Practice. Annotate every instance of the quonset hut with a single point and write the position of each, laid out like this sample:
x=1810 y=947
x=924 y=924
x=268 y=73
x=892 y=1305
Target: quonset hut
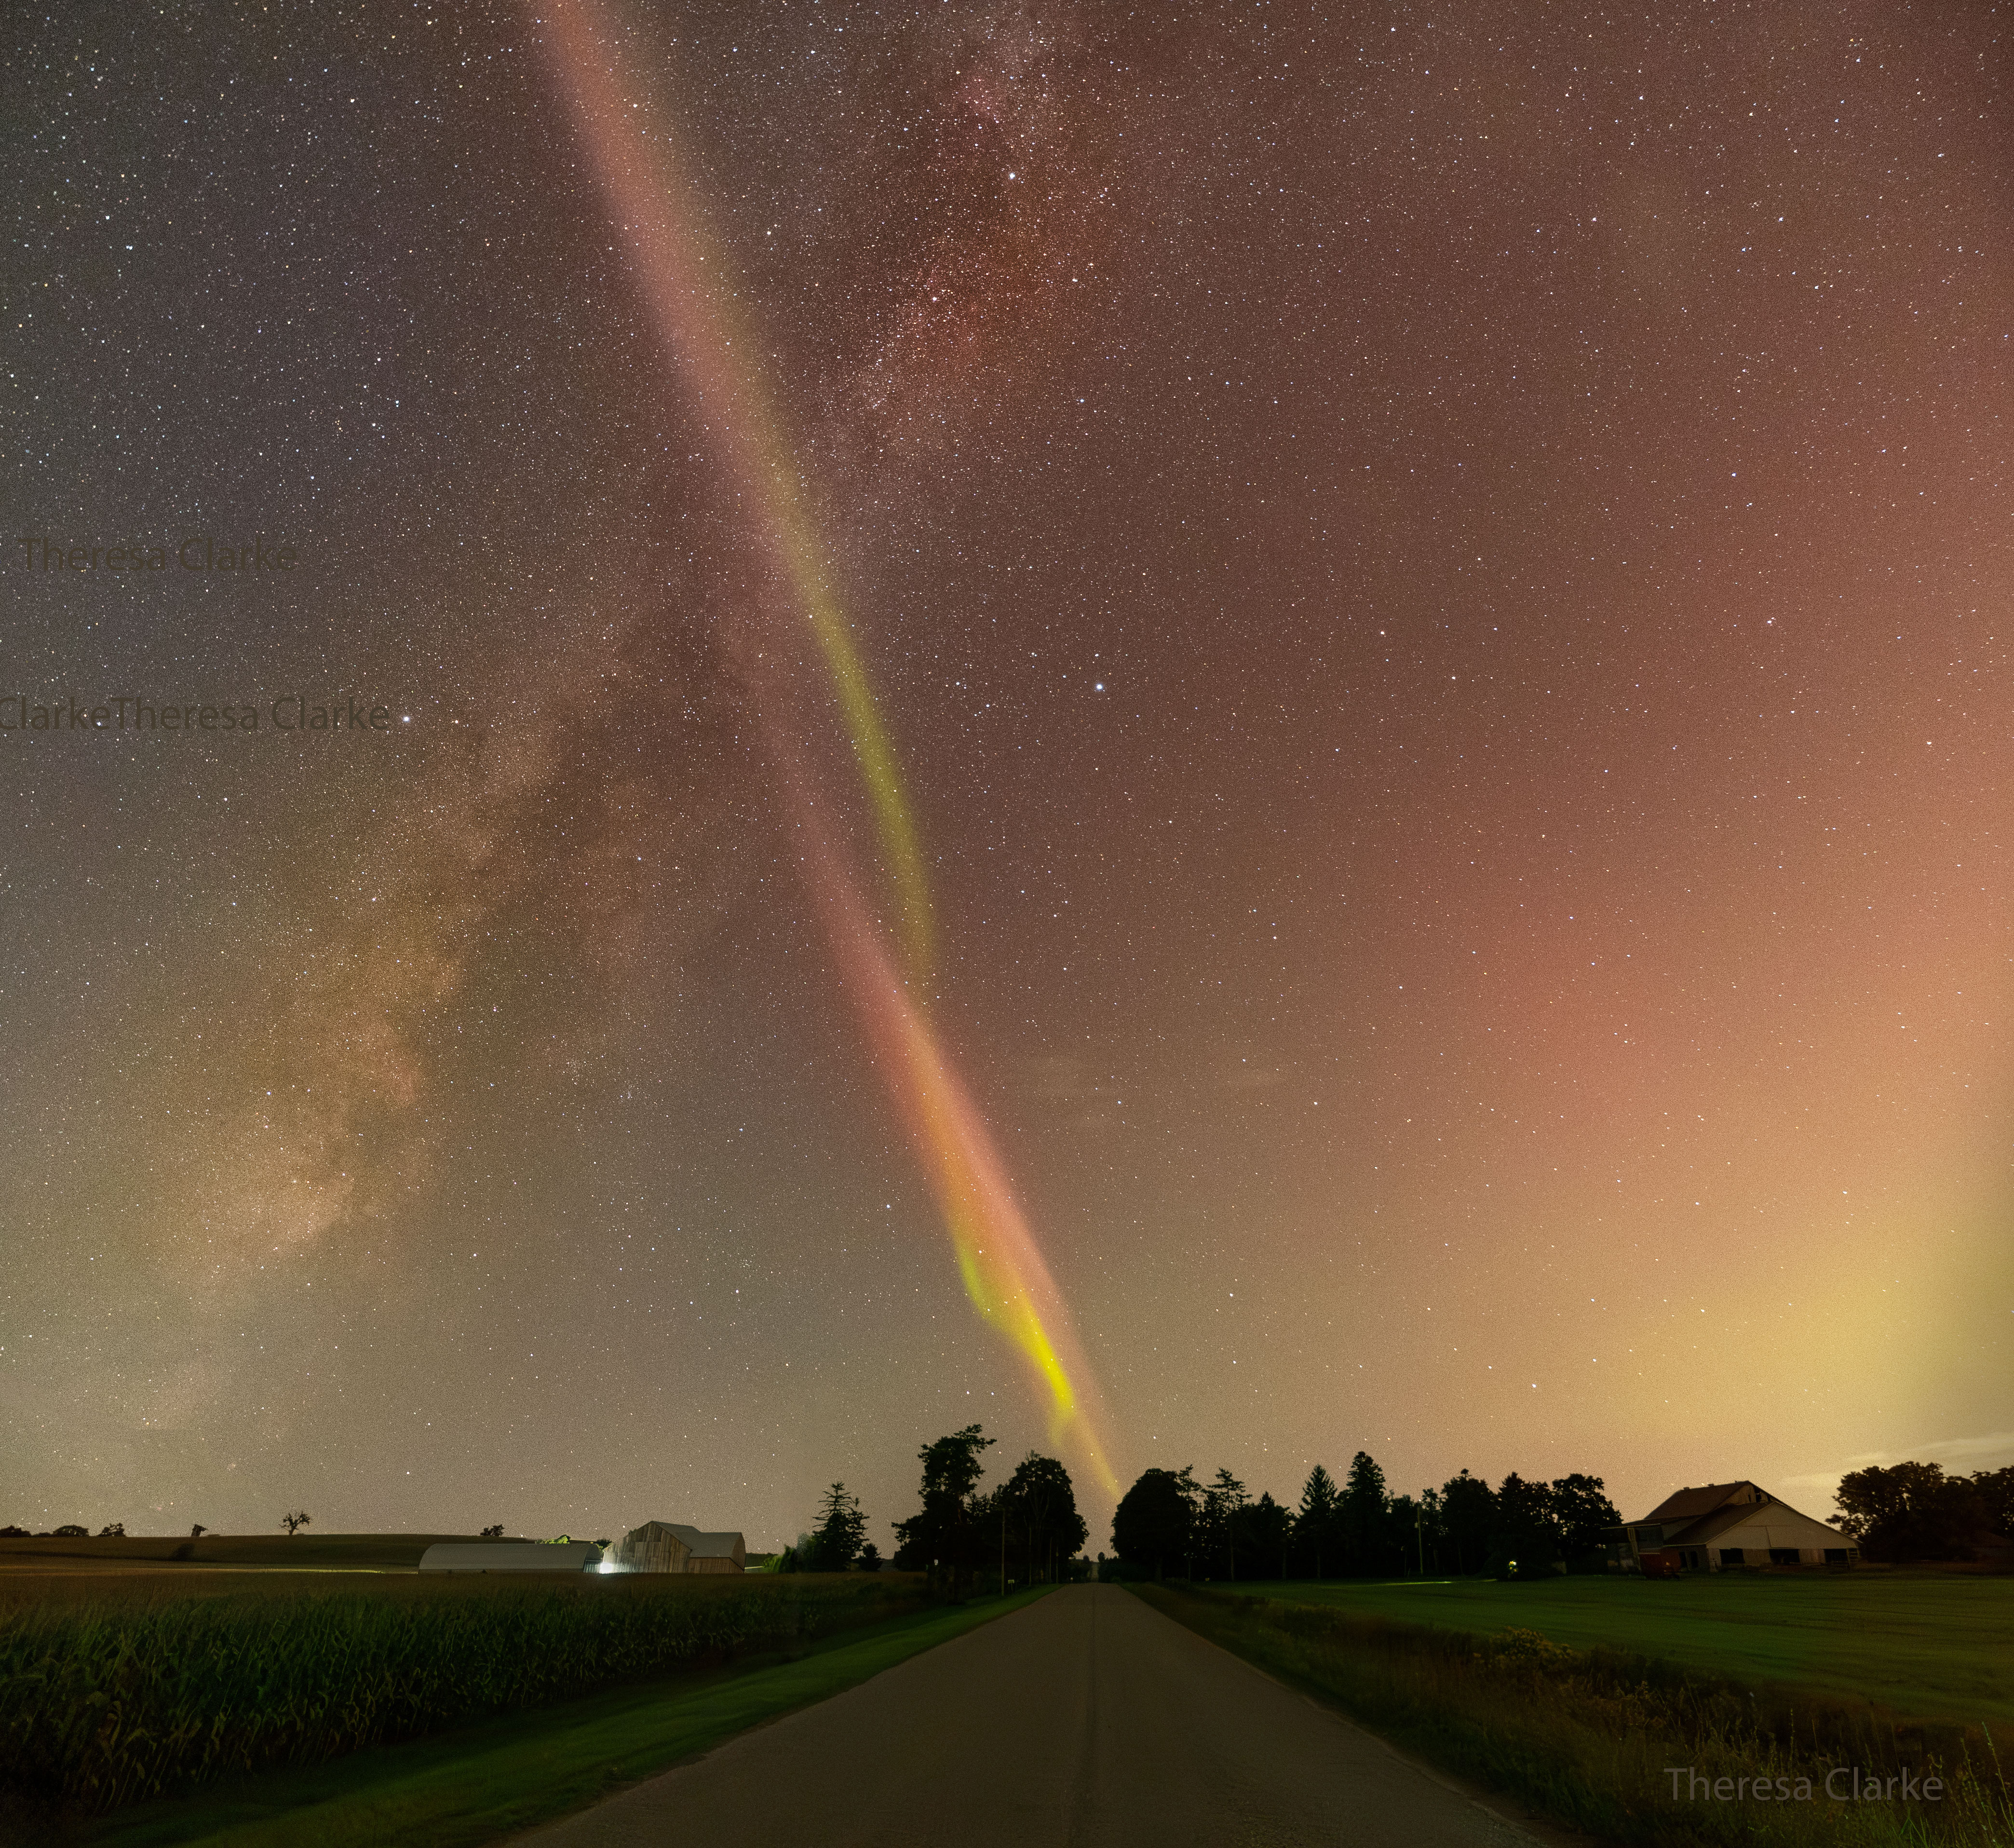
x=671 y=1546
x=511 y=1555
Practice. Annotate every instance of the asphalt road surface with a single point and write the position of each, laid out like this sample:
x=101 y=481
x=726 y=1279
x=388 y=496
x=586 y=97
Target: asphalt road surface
x=1085 y=1721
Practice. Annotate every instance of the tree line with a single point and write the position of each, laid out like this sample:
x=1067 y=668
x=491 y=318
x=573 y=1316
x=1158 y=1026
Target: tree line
x=1915 y=1511
x=1168 y=1524
x=1027 y=1528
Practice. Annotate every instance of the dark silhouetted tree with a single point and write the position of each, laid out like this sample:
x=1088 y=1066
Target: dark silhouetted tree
x=495 y=1533
x=1995 y=1490
x=941 y=1536
x=1154 y=1526
x=1582 y=1515
x=1468 y=1513
x=198 y=1531
x=1526 y=1532
x=988 y=1514
x=1405 y=1541
x=1315 y=1527
x=1269 y=1537
x=298 y=1519
x=1218 y=1538
x=1433 y=1529
x=870 y=1557
x=841 y=1528
x=1361 y=1516
x=1912 y=1511
x=1039 y=1503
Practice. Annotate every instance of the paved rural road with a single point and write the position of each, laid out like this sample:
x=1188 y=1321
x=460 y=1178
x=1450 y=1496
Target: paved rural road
x=1085 y=1721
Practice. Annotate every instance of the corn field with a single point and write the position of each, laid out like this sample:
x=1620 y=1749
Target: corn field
x=103 y=1705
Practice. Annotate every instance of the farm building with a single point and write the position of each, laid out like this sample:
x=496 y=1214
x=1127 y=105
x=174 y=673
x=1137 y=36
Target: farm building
x=671 y=1546
x=1727 y=1526
x=511 y=1555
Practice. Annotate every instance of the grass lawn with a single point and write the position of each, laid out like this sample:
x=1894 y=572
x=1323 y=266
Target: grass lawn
x=1589 y=1739
x=480 y=1783
x=1928 y=1645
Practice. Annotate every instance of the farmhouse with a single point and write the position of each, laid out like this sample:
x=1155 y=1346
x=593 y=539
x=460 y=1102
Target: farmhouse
x=1727 y=1526
x=671 y=1546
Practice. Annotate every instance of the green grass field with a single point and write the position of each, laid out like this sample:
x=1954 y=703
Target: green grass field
x=1932 y=1645
x=484 y=1781
x=1588 y=1737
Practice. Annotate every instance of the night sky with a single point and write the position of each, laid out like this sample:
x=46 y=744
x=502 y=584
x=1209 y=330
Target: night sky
x=1436 y=583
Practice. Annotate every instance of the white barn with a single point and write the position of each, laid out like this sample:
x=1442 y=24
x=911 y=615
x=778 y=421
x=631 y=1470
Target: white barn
x=671 y=1546
x=1729 y=1526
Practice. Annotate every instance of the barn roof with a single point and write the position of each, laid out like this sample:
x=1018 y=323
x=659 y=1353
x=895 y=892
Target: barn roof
x=1688 y=1504
x=705 y=1546
x=1692 y=1516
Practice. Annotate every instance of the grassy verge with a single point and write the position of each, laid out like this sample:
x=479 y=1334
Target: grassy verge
x=1588 y=1737
x=1929 y=1644
x=480 y=1782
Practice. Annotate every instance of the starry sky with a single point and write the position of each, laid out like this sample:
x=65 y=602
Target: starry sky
x=1436 y=577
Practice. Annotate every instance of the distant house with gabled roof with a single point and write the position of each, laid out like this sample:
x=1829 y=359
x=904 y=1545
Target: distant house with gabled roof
x=1727 y=1526
x=671 y=1546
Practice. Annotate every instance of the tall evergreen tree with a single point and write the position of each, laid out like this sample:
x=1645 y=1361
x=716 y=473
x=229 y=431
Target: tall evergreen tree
x=841 y=1528
x=1315 y=1527
x=1362 y=1511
